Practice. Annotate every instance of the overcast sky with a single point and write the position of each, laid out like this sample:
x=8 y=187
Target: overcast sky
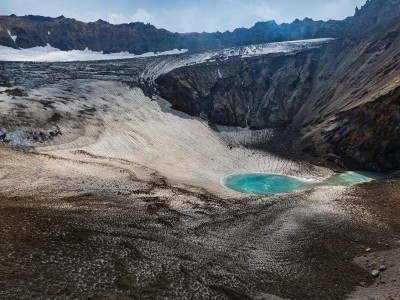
x=185 y=15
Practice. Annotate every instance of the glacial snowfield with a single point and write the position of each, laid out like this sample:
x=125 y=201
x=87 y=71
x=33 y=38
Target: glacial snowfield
x=157 y=68
x=51 y=54
x=109 y=119
x=124 y=124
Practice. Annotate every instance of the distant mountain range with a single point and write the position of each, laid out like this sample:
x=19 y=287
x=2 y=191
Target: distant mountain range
x=138 y=38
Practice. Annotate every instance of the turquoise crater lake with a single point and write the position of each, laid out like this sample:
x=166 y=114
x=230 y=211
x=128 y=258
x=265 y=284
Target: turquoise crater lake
x=269 y=183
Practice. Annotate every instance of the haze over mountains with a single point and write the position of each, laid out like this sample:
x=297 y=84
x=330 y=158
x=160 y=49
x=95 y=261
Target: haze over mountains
x=139 y=38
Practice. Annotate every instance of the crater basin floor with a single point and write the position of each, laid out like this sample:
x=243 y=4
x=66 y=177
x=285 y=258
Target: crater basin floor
x=128 y=202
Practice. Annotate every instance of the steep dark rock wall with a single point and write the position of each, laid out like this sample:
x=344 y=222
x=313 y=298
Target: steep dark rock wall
x=370 y=133
x=343 y=97
x=353 y=107
x=257 y=92
x=69 y=34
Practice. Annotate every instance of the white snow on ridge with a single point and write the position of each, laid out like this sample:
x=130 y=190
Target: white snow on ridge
x=280 y=47
x=157 y=68
x=14 y=37
x=50 y=54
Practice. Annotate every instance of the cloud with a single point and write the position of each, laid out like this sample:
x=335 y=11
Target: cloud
x=255 y=8
x=250 y=13
x=335 y=10
x=186 y=15
x=215 y=16
x=140 y=15
x=263 y=11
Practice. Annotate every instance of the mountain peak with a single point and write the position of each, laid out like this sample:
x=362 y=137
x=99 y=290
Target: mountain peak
x=376 y=11
x=138 y=38
x=100 y=21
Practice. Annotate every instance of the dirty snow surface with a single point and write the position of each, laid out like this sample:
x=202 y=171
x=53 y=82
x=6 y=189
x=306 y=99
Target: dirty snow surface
x=51 y=54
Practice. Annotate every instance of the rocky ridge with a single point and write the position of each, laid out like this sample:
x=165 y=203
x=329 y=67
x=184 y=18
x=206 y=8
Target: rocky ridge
x=327 y=94
x=138 y=38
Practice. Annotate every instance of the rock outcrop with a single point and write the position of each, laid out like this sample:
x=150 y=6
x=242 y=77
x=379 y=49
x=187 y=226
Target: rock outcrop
x=343 y=98
x=69 y=34
x=258 y=92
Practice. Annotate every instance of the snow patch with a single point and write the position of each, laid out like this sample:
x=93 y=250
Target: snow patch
x=19 y=138
x=158 y=68
x=280 y=47
x=51 y=54
x=14 y=37
x=48 y=32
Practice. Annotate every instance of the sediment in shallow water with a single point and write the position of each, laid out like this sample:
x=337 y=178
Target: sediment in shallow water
x=268 y=183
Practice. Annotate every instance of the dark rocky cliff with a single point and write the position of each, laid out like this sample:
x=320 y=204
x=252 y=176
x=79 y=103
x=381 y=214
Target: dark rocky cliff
x=69 y=34
x=343 y=98
x=138 y=38
x=258 y=92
